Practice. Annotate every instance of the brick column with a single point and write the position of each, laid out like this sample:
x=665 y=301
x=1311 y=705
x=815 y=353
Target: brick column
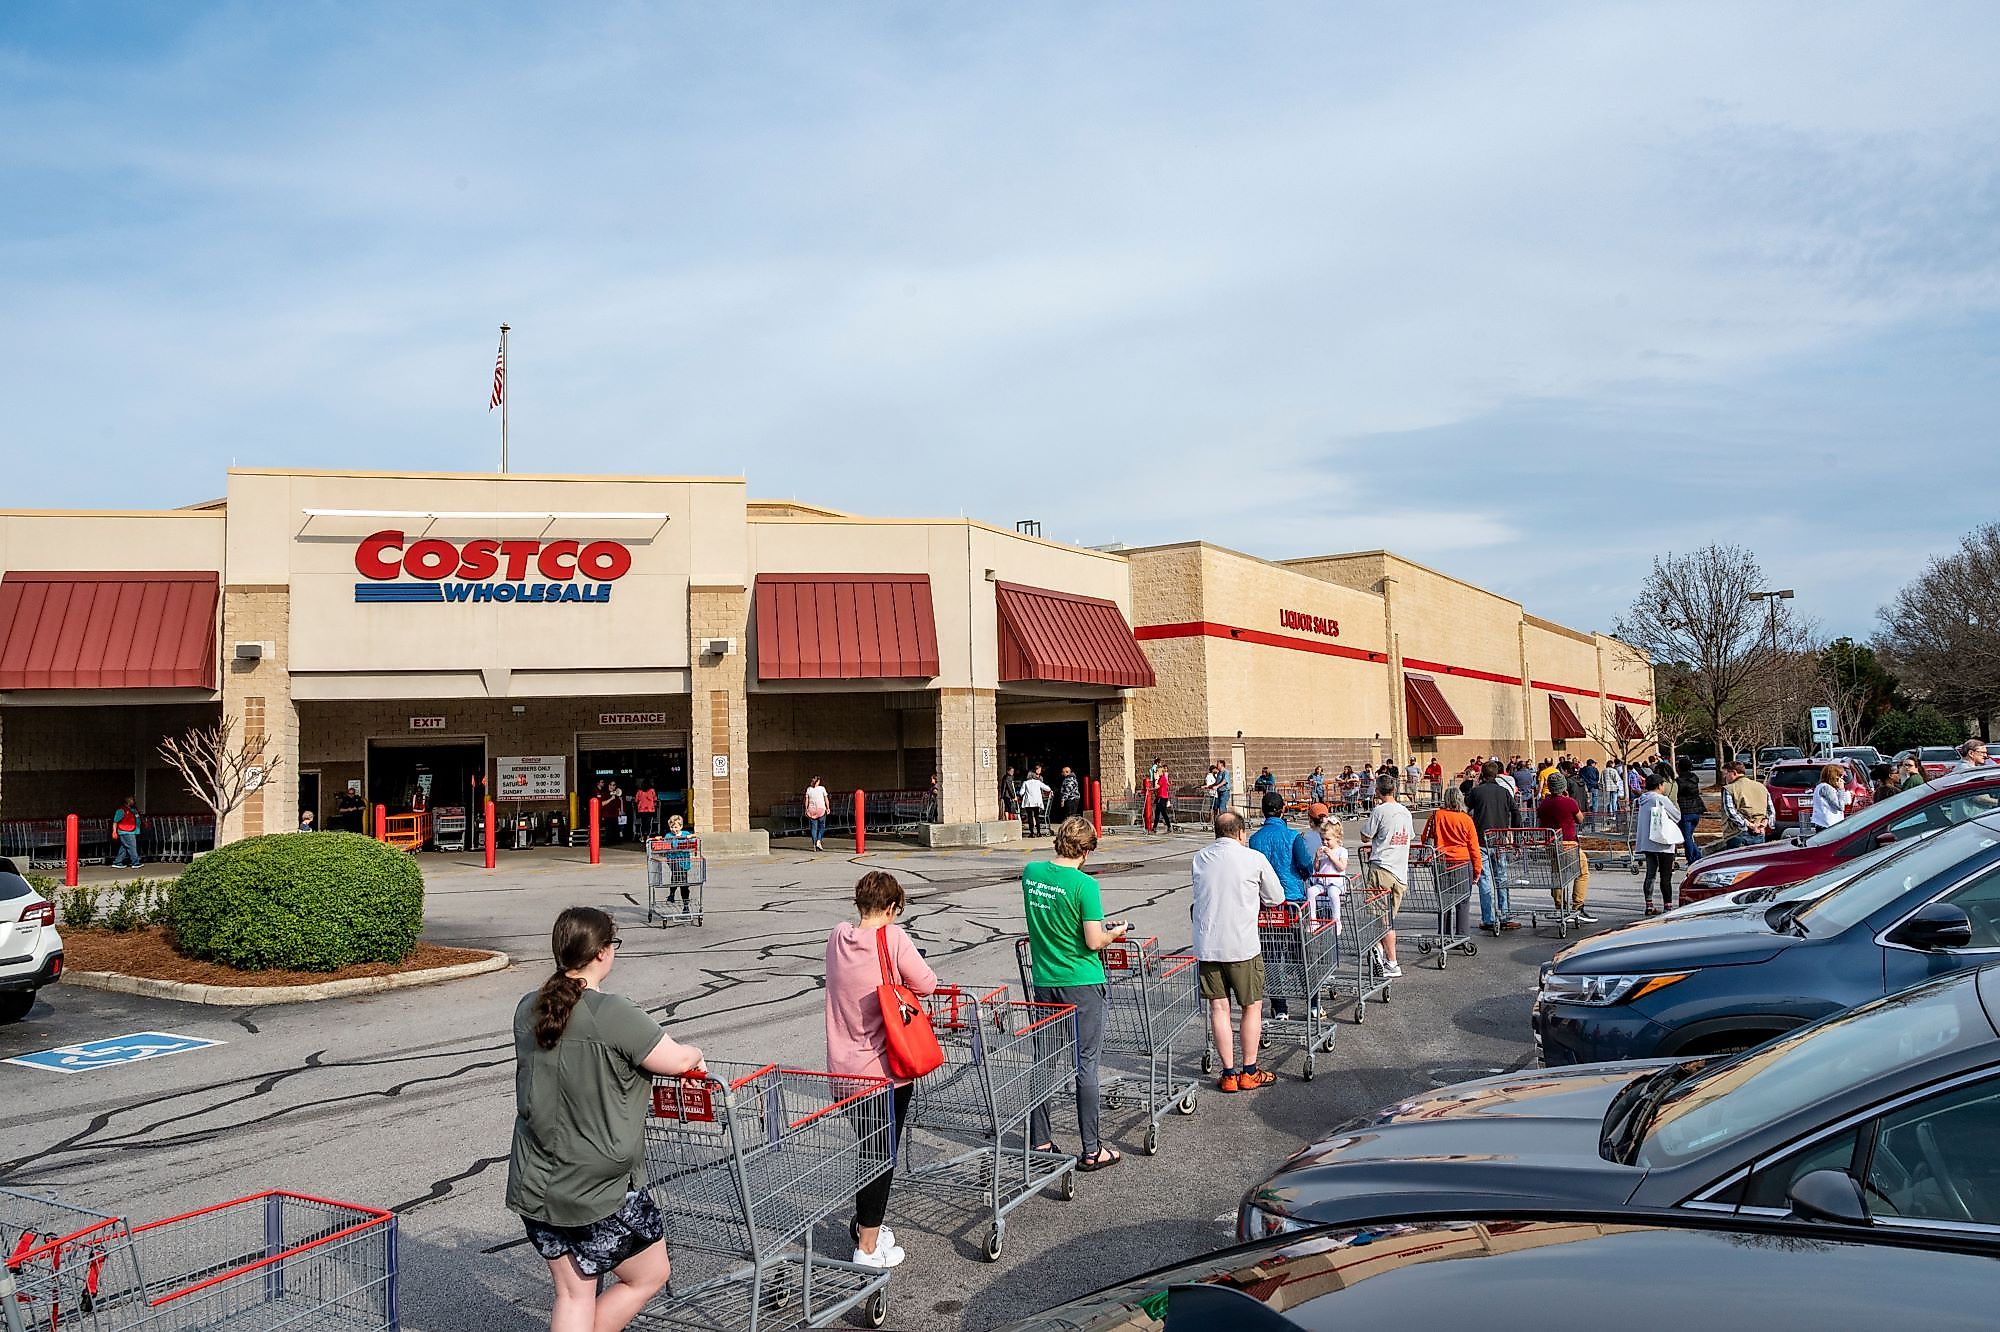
x=1398 y=739
x=258 y=694
x=1114 y=758
x=720 y=726
x=968 y=757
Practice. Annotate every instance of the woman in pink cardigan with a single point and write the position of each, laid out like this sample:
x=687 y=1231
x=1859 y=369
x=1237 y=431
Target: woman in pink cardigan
x=854 y=1040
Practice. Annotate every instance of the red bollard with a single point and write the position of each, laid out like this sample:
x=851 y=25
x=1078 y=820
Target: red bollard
x=490 y=848
x=1096 y=805
x=69 y=850
x=381 y=823
x=594 y=830
x=860 y=822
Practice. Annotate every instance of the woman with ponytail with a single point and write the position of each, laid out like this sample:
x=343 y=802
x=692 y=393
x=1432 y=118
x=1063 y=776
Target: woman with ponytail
x=582 y=1086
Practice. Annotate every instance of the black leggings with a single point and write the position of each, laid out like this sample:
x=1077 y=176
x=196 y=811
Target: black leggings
x=872 y=1203
x=1661 y=863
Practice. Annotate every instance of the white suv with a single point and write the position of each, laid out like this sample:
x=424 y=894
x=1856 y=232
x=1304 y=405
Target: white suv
x=31 y=952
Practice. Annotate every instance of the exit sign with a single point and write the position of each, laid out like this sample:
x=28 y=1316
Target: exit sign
x=427 y=723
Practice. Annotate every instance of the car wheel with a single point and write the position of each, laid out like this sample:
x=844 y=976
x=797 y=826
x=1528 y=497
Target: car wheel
x=15 y=1005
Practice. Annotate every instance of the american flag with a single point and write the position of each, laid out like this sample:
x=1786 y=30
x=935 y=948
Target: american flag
x=499 y=377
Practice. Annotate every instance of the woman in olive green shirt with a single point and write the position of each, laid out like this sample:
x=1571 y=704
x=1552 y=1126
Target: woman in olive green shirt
x=582 y=1086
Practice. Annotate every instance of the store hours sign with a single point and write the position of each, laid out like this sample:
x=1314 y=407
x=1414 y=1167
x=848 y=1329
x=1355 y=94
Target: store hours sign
x=523 y=572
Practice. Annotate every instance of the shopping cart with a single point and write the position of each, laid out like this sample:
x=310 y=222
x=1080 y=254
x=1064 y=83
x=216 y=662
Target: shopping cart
x=1535 y=860
x=1608 y=837
x=1439 y=890
x=1001 y=1060
x=270 y=1261
x=1150 y=1004
x=1361 y=924
x=675 y=870
x=745 y=1163
x=1301 y=956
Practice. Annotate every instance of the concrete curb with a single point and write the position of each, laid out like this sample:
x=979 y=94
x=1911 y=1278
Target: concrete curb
x=247 y=996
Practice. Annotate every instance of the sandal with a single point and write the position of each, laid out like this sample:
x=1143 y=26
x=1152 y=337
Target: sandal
x=1048 y=1147
x=1101 y=1159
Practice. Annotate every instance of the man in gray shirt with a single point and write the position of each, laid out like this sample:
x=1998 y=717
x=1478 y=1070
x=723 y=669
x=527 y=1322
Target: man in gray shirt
x=1231 y=884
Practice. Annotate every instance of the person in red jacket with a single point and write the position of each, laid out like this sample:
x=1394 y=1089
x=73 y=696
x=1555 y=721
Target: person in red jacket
x=1559 y=812
x=1163 y=798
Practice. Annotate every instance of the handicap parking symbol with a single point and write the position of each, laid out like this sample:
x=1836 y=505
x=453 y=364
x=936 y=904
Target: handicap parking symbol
x=110 y=1052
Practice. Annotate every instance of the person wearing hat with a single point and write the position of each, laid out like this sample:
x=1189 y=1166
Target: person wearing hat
x=1559 y=812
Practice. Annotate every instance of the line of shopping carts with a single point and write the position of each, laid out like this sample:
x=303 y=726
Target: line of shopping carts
x=1150 y=1028
x=269 y=1261
x=1535 y=861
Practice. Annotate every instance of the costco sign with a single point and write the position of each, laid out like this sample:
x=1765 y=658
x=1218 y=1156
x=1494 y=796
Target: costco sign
x=487 y=569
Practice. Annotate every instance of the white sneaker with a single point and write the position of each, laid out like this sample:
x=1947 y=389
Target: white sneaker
x=884 y=1257
x=1391 y=971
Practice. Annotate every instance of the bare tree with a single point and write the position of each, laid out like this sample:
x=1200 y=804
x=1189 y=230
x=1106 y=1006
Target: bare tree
x=220 y=771
x=1695 y=609
x=1943 y=629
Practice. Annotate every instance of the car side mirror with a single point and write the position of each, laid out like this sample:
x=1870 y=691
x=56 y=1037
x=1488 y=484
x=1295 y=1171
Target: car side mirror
x=1829 y=1195
x=1936 y=925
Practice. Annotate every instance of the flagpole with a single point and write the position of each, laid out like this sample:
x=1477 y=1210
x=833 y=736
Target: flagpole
x=506 y=396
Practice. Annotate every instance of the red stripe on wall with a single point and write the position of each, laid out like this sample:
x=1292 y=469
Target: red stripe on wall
x=1234 y=634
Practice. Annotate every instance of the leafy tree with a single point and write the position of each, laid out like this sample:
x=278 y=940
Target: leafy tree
x=1922 y=725
x=1852 y=680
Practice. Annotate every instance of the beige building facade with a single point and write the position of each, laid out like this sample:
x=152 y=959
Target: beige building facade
x=424 y=641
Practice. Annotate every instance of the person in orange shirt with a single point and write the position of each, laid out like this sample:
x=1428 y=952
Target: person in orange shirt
x=1452 y=832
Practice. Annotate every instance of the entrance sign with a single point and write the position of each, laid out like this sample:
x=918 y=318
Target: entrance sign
x=631 y=719
x=111 y=1052
x=531 y=777
x=487 y=569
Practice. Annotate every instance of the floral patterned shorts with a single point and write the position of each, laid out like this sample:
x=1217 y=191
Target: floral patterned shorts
x=599 y=1247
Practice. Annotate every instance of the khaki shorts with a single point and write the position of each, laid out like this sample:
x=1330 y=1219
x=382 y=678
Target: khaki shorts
x=1241 y=981
x=1380 y=881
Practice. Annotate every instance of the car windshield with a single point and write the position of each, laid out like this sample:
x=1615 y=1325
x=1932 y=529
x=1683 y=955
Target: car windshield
x=1799 y=1070
x=1805 y=890
x=1874 y=889
x=1940 y=754
x=13 y=886
x=1795 y=779
x=1873 y=816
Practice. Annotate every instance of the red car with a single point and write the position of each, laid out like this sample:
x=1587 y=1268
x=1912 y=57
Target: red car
x=1791 y=786
x=1935 y=760
x=1950 y=800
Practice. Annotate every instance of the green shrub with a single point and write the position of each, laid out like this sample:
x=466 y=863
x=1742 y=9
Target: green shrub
x=160 y=902
x=128 y=913
x=48 y=885
x=299 y=902
x=79 y=904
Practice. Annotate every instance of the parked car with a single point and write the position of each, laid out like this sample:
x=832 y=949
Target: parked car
x=1511 y=1269
x=31 y=952
x=1901 y=1095
x=1869 y=757
x=1791 y=786
x=1935 y=760
x=1950 y=800
x=1805 y=890
x=1778 y=754
x=1725 y=982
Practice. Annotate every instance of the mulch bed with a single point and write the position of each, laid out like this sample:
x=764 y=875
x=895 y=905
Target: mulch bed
x=147 y=953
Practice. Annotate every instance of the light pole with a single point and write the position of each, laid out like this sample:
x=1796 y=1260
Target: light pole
x=1770 y=600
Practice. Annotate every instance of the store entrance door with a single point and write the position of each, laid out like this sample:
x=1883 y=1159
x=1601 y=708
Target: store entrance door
x=664 y=766
x=433 y=775
x=1054 y=745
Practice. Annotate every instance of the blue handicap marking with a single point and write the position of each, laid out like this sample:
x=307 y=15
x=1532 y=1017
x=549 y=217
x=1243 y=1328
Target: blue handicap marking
x=111 y=1051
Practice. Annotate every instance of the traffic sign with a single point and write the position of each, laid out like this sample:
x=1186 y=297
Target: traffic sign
x=110 y=1052
x=1822 y=723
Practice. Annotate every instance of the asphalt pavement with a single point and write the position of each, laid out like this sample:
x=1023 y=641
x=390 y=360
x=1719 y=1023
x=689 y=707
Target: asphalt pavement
x=405 y=1099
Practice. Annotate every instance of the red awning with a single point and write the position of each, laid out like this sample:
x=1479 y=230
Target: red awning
x=1629 y=729
x=1058 y=636
x=843 y=626
x=1425 y=710
x=114 y=629
x=1563 y=721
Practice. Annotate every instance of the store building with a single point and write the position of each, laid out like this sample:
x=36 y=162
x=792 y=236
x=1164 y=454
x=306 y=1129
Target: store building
x=1355 y=658
x=416 y=641
x=421 y=640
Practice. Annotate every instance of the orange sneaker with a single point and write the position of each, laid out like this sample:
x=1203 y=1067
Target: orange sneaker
x=1229 y=1083
x=1263 y=1077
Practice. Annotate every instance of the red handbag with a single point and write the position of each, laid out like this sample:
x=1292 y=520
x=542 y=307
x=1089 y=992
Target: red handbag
x=906 y=1028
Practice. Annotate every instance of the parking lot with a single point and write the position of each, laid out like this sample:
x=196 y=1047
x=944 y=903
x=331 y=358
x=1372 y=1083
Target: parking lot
x=405 y=1099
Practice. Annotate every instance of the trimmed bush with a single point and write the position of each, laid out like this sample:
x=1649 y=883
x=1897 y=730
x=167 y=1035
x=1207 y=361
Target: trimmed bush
x=299 y=902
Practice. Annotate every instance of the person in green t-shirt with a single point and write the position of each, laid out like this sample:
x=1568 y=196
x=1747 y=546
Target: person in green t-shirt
x=1066 y=931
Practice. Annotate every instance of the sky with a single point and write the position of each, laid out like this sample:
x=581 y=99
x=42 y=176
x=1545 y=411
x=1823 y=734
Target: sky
x=1529 y=293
